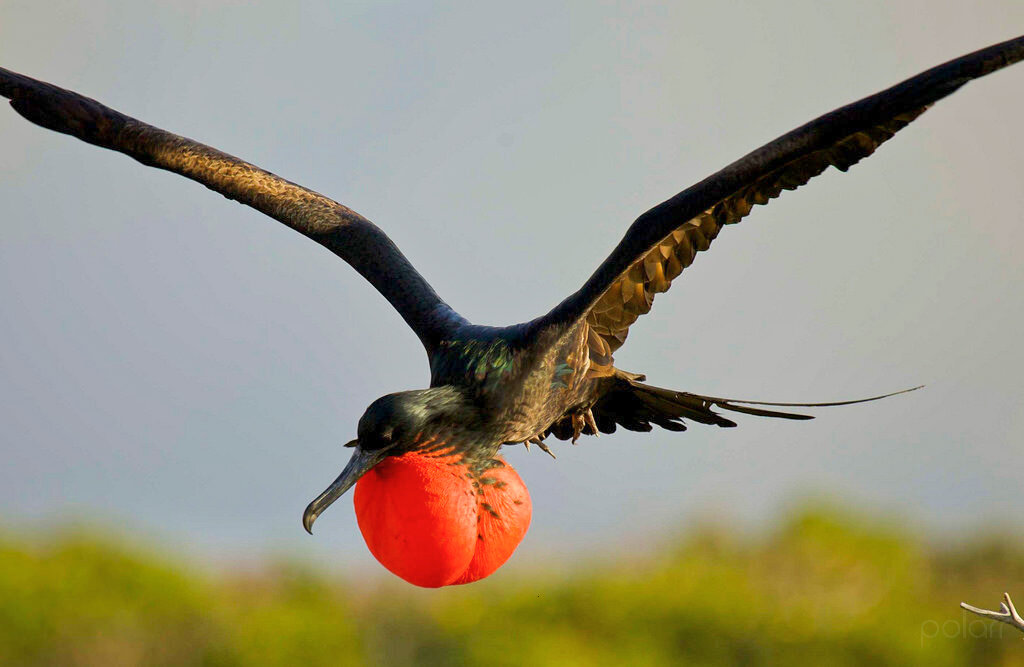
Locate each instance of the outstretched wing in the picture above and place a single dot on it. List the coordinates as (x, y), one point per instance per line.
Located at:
(341, 230)
(664, 240)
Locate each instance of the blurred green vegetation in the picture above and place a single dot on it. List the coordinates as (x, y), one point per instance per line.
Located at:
(825, 588)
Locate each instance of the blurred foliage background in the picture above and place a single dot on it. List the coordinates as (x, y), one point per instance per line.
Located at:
(824, 587)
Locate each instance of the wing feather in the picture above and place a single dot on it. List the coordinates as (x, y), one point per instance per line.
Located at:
(662, 242)
(338, 228)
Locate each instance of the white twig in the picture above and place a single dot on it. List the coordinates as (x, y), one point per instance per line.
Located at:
(1006, 614)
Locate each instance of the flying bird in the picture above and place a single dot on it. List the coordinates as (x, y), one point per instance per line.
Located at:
(435, 502)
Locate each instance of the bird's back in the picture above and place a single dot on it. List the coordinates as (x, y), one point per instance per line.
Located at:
(521, 378)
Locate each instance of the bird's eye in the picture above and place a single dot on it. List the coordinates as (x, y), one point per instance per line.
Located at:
(378, 440)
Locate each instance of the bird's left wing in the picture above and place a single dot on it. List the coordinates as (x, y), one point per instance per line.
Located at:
(341, 230)
(664, 240)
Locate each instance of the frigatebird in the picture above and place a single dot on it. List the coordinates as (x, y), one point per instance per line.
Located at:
(435, 502)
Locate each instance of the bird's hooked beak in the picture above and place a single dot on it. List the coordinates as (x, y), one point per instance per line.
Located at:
(360, 464)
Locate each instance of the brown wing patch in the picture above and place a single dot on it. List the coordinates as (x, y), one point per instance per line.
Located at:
(632, 294)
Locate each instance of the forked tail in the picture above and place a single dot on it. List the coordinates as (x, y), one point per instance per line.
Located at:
(639, 407)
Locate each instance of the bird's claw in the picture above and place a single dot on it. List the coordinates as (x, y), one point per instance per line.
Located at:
(578, 423)
(581, 421)
(540, 443)
(545, 449)
(535, 440)
(588, 419)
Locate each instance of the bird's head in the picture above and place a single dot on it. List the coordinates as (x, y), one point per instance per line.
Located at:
(393, 425)
(431, 509)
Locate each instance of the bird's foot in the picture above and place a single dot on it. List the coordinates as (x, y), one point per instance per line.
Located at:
(536, 440)
(588, 418)
(581, 422)
(578, 424)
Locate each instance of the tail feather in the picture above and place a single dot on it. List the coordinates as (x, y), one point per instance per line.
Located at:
(721, 401)
(638, 407)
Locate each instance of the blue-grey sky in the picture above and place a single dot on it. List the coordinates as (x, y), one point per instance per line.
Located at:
(181, 366)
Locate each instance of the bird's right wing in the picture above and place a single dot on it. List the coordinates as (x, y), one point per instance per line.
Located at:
(341, 230)
(664, 240)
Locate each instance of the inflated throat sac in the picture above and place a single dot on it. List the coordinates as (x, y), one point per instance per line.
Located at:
(430, 521)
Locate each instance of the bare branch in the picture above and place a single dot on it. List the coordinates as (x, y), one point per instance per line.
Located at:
(1006, 614)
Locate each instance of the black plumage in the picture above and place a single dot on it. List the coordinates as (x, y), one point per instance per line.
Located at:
(491, 386)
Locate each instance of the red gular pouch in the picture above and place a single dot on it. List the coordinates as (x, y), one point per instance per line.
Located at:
(432, 522)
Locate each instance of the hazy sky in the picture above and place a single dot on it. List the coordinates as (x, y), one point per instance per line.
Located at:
(182, 366)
